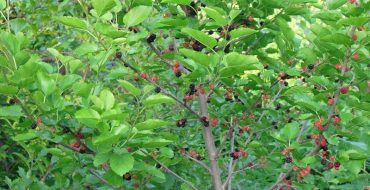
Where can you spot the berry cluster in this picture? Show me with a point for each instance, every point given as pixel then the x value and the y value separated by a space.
pixel 205 121
pixel 237 153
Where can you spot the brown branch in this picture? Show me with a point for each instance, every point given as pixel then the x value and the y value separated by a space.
pixel 303 127
pixel 168 62
pixel 210 145
pixel 231 163
pixel 255 43
pixel 229 177
pixel 199 162
pixel 245 168
pixel 170 171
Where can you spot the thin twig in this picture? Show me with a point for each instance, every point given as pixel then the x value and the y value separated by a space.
pixel 94 173
pixel 245 168
pixel 170 171
pixel 272 102
pixel 199 162
pixel 303 127
pixel 230 168
pixel 48 170
pixel 168 62
pixel 229 177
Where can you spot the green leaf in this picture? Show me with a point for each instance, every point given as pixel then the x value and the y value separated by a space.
pixel 130 87
pixel 242 32
pixel 156 143
pixel 308 55
pixel 200 37
pixel 88 117
pixel 105 138
pixel 291 130
pixel 310 105
pixel 121 163
pixel 286 30
pixel 137 15
pixel 109 30
pixel 198 57
pixel 236 70
pixel 25 136
pixel 120 130
pixel 309 160
pixel 2 4
pixel 11 111
pixel 234 13
pixel 151 124
pixel 215 15
pixel 336 4
pixel 354 166
pixel 236 59
pixel 46 83
pixel 296 90
pixel 328 15
pixel 354 21
pixel 71 21
pixel 337 39
pixel 174 22
pixel 302 1
pixel 237 63
pixel 68 81
pixel 103 6
pixel 181 2
pixel 107 98
pixel 157 99
pixel 8 90
pixel 113 178
pixel 100 158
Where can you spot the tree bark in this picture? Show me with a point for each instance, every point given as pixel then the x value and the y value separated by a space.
pixel 210 145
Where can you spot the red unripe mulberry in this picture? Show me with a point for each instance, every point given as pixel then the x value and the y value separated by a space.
pixel 343 90
pixel 356 56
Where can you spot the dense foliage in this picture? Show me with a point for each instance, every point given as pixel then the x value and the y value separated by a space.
pixel 181 94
